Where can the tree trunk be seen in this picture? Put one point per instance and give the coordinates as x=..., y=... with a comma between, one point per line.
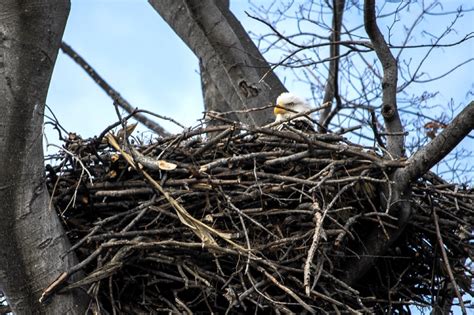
x=231, y=59
x=213, y=99
x=32, y=240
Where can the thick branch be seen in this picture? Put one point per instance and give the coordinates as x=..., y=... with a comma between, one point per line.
x=231, y=59
x=395, y=140
x=423, y=160
x=331, y=89
x=376, y=243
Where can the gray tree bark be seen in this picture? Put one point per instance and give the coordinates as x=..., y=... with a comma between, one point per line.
x=393, y=124
x=231, y=59
x=213, y=99
x=32, y=240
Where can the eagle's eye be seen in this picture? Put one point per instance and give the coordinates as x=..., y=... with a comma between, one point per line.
x=290, y=104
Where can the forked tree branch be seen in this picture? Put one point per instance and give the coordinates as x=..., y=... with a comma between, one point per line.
x=395, y=139
x=397, y=196
x=376, y=242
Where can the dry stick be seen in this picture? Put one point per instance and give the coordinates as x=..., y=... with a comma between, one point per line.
x=327, y=298
x=333, y=301
x=233, y=159
x=373, y=125
x=239, y=111
x=288, y=291
x=288, y=158
x=161, y=117
x=278, y=305
x=213, y=141
x=57, y=284
x=241, y=213
x=446, y=262
x=111, y=295
x=314, y=244
x=104, y=271
x=111, y=92
x=318, y=218
x=203, y=231
x=350, y=150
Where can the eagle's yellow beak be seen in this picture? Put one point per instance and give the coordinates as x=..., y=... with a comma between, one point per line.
x=279, y=110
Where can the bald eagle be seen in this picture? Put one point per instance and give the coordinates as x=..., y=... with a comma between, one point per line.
x=289, y=105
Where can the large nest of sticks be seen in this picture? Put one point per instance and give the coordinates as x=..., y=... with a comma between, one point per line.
x=232, y=219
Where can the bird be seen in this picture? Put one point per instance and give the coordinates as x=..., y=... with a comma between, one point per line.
x=289, y=105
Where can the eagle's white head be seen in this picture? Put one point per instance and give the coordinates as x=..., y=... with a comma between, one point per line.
x=289, y=105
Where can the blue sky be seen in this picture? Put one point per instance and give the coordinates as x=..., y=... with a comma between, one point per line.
x=139, y=55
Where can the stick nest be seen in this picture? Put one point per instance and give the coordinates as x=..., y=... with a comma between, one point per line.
x=252, y=219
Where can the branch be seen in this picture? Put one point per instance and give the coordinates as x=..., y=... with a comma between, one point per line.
x=395, y=141
x=376, y=243
x=150, y=124
x=424, y=159
x=332, y=90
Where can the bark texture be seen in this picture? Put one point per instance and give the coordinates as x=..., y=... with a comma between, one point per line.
x=213, y=99
x=32, y=240
x=393, y=124
x=231, y=59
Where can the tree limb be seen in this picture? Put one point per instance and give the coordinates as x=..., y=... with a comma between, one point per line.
x=395, y=139
x=395, y=197
x=150, y=124
x=417, y=165
x=213, y=99
x=332, y=90
x=425, y=158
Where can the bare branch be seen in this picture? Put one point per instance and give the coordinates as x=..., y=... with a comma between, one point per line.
x=332, y=89
x=438, y=148
x=395, y=143
x=150, y=124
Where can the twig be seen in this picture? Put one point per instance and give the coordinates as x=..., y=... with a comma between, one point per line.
x=446, y=263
